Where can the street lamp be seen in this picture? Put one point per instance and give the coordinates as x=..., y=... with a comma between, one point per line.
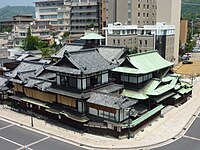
x=31, y=115
x=129, y=121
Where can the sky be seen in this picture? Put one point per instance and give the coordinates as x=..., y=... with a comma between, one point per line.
x=4, y=3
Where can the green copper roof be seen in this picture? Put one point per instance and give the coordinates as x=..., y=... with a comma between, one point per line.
x=92, y=36
x=144, y=63
x=134, y=94
x=164, y=96
x=177, y=96
x=156, y=87
x=182, y=91
x=188, y=90
x=146, y=116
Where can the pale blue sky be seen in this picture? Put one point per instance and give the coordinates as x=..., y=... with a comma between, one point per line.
x=4, y=3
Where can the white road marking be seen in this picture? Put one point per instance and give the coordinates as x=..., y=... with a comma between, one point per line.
x=7, y=126
x=190, y=137
x=27, y=146
x=11, y=141
x=38, y=141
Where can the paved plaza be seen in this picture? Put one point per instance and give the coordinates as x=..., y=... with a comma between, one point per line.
x=14, y=137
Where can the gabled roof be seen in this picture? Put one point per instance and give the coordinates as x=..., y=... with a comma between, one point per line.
x=69, y=48
x=143, y=63
x=82, y=61
x=110, y=100
x=25, y=70
x=3, y=83
x=155, y=87
x=92, y=36
x=113, y=54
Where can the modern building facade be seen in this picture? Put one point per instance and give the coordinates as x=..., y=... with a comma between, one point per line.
x=169, y=11
x=131, y=12
x=67, y=15
x=158, y=37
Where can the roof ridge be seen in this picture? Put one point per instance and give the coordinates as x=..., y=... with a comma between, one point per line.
x=142, y=53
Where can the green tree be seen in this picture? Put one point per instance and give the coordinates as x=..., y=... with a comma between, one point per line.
x=47, y=52
x=5, y=29
x=33, y=42
x=133, y=50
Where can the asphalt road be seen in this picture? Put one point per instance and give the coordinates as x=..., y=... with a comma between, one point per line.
x=13, y=137
x=190, y=141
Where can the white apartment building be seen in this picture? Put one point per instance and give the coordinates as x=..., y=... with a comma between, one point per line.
x=69, y=15
x=148, y=37
x=52, y=12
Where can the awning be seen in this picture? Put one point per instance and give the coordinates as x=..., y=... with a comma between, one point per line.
x=145, y=116
x=15, y=98
x=163, y=97
x=35, y=102
x=75, y=117
x=53, y=111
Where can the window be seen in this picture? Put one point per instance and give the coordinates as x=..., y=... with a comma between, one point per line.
x=113, y=41
x=143, y=14
x=138, y=14
x=124, y=78
x=72, y=82
x=140, y=42
x=118, y=41
x=138, y=5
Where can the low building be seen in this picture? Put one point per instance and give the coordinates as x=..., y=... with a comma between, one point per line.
x=86, y=91
x=158, y=37
x=150, y=82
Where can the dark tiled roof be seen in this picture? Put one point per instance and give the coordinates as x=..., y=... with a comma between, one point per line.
x=42, y=85
x=84, y=61
x=24, y=67
x=110, y=100
x=3, y=83
x=111, y=53
x=110, y=88
x=69, y=48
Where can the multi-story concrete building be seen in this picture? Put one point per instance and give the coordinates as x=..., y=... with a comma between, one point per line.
x=169, y=11
x=49, y=12
x=149, y=37
x=68, y=15
x=19, y=33
x=85, y=14
x=183, y=31
x=18, y=19
x=137, y=12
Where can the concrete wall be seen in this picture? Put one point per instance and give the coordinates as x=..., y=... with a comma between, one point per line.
x=169, y=11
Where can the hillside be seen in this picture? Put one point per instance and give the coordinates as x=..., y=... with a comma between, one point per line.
x=190, y=8
x=9, y=11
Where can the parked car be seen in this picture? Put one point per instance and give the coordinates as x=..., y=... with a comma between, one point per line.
x=187, y=62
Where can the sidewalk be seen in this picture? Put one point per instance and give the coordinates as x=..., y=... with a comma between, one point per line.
x=161, y=131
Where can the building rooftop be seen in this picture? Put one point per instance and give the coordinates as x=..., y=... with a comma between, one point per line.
x=143, y=63
x=82, y=62
x=110, y=100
